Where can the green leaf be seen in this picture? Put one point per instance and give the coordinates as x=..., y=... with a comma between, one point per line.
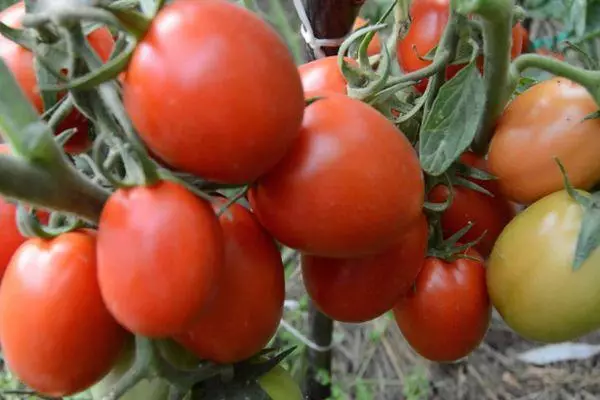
x=589, y=235
x=577, y=17
x=451, y=125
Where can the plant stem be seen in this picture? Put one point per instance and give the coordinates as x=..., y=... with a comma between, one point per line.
x=38, y=171
x=58, y=187
x=589, y=79
x=497, y=17
x=329, y=19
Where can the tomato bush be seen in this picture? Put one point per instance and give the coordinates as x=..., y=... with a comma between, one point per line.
x=322, y=200
x=159, y=283
x=428, y=20
x=530, y=273
x=223, y=58
x=447, y=314
x=20, y=61
x=57, y=335
x=245, y=312
x=543, y=123
x=488, y=214
x=361, y=289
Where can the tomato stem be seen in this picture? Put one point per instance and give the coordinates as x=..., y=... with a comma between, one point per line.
x=38, y=172
x=497, y=20
x=588, y=79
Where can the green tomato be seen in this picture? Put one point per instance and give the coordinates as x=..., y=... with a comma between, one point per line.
x=530, y=274
x=279, y=385
x=155, y=389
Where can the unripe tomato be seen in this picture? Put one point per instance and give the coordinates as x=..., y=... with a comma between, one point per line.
x=160, y=253
x=545, y=122
x=227, y=88
x=20, y=63
x=323, y=75
x=488, y=214
x=429, y=18
x=361, y=289
x=146, y=389
x=447, y=314
x=375, y=44
x=246, y=310
x=530, y=275
x=57, y=335
x=349, y=187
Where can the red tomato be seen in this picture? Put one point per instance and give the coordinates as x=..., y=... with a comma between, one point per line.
x=160, y=251
x=488, y=214
x=525, y=41
x=246, y=311
x=57, y=335
x=448, y=313
x=349, y=186
x=20, y=62
x=375, y=44
x=361, y=289
x=429, y=18
x=227, y=88
x=323, y=75
x=544, y=122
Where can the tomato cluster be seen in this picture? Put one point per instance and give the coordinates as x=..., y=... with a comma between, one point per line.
x=332, y=178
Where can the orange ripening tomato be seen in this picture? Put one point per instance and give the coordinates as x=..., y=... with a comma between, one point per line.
x=544, y=122
x=20, y=62
x=226, y=85
x=448, y=313
x=57, y=335
x=160, y=254
x=246, y=310
x=375, y=44
x=350, y=185
x=488, y=214
x=361, y=289
x=323, y=75
x=429, y=18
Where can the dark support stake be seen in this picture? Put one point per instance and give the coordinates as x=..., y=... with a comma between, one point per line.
x=329, y=19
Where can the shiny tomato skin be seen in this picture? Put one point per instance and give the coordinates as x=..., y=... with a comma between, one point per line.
x=544, y=122
x=323, y=75
x=488, y=214
x=361, y=289
x=349, y=186
x=20, y=63
x=57, y=335
x=447, y=314
x=375, y=44
x=160, y=253
x=246, y=310
x=429, y=18
x=227, y=88
x=530, y=273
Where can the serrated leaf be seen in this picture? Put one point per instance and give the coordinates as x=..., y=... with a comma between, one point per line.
x=451, y=124
x=589, y=235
